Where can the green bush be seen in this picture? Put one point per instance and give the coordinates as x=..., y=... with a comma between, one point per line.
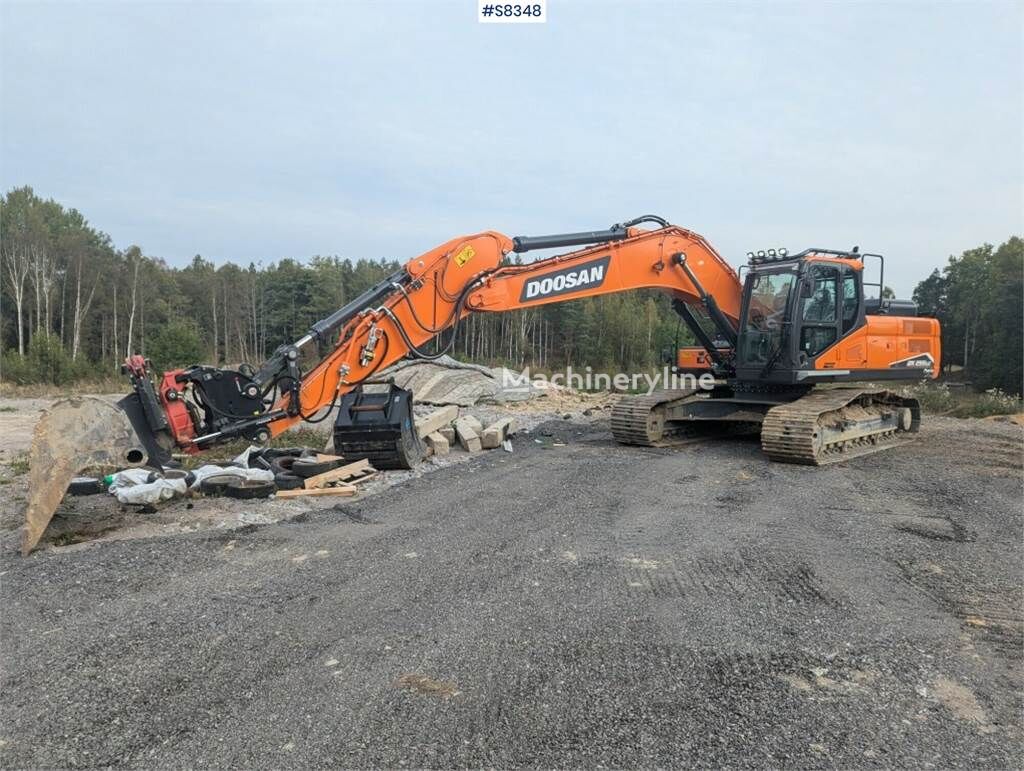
x=940, y=399
x=177, y=344
x=995, y=402
x=45, y=361
x=14, y=369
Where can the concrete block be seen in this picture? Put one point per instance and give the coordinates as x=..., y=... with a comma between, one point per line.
x=437, y=444
x=468, y=438
x=448, y=433
x=498, y=432
x=428, y=424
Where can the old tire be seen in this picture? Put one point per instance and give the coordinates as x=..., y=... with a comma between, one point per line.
x=247, y=489
x=310, y=467
x=86, y=486
x=217, y=484
x=272, y=453
x=282, y=464
x=258, y=461
x=172, y=473
x=288, y=481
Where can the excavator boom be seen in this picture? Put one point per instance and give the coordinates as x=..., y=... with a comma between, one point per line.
x=427, y=298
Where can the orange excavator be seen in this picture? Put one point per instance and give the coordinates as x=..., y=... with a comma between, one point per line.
x=770, y=339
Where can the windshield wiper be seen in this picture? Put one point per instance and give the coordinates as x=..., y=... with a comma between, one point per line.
x=775, y=355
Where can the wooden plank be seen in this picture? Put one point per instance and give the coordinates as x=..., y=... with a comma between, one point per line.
x=428, y=424
x=339, y=474
x=301, y=493
x=324, y=457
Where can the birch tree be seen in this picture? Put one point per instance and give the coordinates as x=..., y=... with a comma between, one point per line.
x=134, y=257
x=81, y=308
x=17, y=224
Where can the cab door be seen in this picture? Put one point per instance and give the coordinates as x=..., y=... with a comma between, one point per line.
x=852, y=350
x=819, y=313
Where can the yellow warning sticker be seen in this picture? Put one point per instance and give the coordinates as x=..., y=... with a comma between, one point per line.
x=465, y=255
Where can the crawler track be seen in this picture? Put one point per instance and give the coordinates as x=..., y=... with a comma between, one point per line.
x=640, y=420
x=833, y=425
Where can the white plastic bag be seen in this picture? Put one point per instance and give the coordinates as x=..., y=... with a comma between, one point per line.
x=130, y=477
x=151, y=492
x=242, y=459
x=209, y=470
x=258, y=474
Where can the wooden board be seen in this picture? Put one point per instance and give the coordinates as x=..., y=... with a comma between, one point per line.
x=345, y=489
x=339, y=474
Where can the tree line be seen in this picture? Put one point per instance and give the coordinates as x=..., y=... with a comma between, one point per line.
x=72, y=306
x=978, y=298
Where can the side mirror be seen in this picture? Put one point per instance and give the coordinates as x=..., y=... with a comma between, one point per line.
x=668, y=356
x=807, y=289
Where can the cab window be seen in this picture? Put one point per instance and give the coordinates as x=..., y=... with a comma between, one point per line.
x=851, y=300
x=818, y=311
x=821, y=305
x=762, y=335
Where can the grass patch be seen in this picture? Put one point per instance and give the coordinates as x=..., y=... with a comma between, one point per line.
x=940, y=399
x=8, y=409
x=107, y=385
x=223, y=453
x=69, y=538
x=303, y=437
x=19, y=464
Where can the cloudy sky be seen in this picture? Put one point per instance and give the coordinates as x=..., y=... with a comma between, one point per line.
x=255, y=131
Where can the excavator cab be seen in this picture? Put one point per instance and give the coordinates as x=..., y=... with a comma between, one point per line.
x=806, y=319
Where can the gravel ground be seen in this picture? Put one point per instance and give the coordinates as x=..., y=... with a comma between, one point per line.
x=80, y=522
x=563, y=606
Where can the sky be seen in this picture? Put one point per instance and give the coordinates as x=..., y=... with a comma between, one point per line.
x=253, y=131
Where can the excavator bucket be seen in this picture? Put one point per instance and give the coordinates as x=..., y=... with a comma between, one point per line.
x=378, y=426
x=75, y=434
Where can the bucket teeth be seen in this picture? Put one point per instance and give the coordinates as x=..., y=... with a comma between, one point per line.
x=74, y=434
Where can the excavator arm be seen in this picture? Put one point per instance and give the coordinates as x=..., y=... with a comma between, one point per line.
x=429, y=297
x=190, y=410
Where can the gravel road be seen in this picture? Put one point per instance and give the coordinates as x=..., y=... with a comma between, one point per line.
x=563, y=606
